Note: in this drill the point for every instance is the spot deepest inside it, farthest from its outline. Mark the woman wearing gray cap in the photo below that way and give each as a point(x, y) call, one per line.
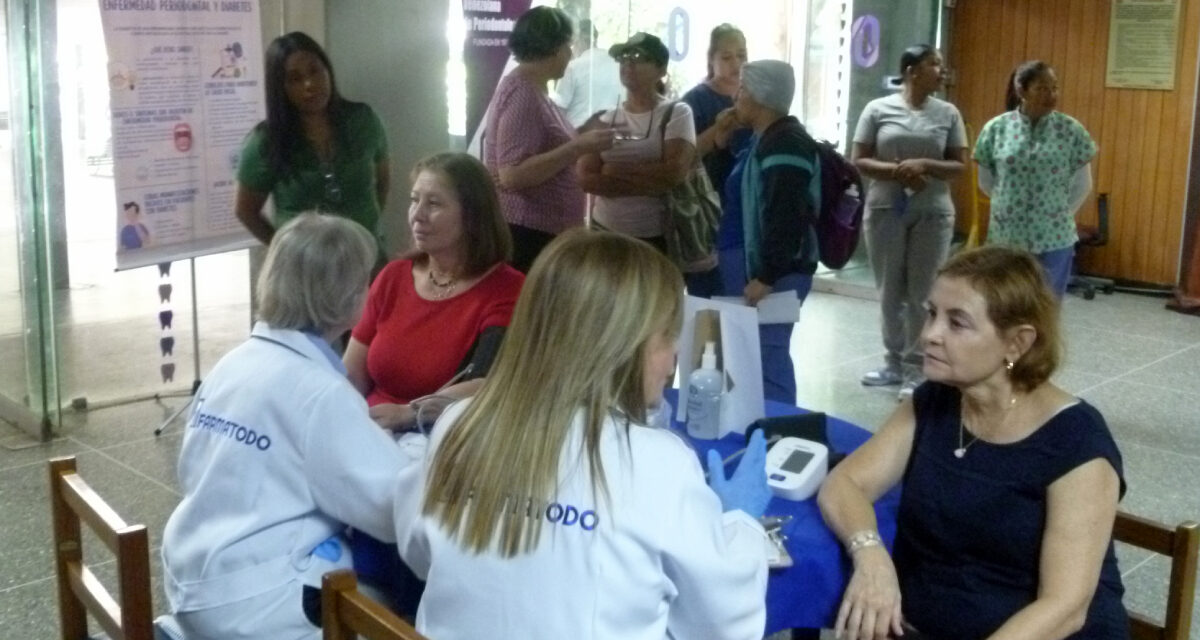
point(653, 152)
point(780, 193)
point(910, 144)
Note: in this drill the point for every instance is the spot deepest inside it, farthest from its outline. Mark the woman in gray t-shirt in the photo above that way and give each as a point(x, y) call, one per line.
point(909, 145)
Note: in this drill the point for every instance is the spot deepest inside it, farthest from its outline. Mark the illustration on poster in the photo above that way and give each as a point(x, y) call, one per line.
point(183, 137)
point(231, 62)
point(134, 235)
point(121, 76)
point(177, 70)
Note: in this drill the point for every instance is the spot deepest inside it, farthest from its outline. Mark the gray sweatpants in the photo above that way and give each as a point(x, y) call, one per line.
point(906, 251)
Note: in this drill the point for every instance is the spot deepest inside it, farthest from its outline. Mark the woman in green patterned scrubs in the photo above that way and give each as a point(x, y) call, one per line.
point(1035, 164)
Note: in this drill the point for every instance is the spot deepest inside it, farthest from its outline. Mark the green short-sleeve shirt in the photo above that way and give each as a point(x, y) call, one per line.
point(346, 187)
point(1033, 167)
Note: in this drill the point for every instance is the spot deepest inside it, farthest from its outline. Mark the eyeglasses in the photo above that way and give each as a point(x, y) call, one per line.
point(633, 56)
point(333, 191)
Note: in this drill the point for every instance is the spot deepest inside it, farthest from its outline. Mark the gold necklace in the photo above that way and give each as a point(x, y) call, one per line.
point(962, 449)
point(442, 290)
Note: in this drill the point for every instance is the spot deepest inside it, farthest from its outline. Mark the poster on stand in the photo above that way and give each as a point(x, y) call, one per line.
point(185, 87)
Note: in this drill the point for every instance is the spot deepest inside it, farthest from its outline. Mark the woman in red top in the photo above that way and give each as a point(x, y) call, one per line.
point(435, 318)
point(432, 324)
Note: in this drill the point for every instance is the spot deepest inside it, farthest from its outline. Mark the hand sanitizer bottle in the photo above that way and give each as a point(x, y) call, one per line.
point(704, 397)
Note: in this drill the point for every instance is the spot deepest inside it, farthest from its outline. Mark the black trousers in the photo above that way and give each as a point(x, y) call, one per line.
point(527, 244)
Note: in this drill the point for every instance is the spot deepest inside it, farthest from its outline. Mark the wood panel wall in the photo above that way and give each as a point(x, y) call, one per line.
point(1144, 137)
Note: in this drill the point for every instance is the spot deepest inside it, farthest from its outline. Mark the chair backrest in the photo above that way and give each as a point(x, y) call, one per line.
point(79, 591)
point(1180, 544)
point(1102, 220)
point(345, 612)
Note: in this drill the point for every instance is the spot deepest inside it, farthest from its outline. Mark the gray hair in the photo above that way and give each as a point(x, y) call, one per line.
point(316, 273)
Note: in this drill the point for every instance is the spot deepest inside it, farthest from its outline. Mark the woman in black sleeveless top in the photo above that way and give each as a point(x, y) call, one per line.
point(1010, 483)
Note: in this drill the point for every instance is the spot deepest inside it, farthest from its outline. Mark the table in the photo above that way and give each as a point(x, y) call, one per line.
point(807, 594)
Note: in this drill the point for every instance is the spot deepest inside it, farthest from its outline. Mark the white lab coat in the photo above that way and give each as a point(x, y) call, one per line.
point(279, 455)
point(659, 560)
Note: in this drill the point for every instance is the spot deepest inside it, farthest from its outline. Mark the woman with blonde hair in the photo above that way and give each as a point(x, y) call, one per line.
point(546, 508)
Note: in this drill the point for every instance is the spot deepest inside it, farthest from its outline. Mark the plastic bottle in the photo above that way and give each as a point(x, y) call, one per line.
point(704, 397)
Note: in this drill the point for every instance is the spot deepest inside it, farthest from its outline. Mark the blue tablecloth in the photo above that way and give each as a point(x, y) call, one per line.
point(807, 594)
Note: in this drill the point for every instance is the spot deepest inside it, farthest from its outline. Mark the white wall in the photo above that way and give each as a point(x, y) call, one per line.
point(392, 55)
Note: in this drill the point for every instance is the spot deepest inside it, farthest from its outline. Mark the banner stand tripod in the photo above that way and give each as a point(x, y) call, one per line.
point(195, 360)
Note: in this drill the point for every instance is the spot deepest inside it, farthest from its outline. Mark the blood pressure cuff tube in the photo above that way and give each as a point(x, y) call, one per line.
point(479, 359)
point(809, 426)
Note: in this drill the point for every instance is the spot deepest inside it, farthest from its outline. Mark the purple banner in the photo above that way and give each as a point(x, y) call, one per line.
point(485, 51)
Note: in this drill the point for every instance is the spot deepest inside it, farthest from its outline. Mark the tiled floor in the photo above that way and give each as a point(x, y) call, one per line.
point(1139, 364)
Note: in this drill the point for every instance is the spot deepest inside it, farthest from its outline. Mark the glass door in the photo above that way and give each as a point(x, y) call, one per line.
point(28, 378)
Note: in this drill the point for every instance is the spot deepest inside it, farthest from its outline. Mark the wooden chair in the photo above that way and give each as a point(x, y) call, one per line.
point(1180, 544)
point(345, 612)
point(79, 591)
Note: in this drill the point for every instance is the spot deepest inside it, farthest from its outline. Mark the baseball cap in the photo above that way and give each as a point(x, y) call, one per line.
point(650, 47)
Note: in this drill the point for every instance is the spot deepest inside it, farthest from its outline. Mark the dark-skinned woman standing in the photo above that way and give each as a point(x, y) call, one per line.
point(316, 151)
point(910, 145)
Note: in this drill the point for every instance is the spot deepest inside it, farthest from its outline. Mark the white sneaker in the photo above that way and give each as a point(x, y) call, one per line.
point(882, 377)
point(912, 379)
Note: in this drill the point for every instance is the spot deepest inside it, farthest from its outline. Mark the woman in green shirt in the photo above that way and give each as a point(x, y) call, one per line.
point(316, 151)
point(1035, 165)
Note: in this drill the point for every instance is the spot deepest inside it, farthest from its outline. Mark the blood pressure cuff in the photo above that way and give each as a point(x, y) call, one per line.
point(809, 426)
point(479, 359)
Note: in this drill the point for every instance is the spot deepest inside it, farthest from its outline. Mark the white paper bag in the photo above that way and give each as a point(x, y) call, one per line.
point(738, 357)
point(775, 308)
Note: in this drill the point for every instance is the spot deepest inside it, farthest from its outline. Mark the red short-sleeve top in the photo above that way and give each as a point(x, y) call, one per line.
point(414, 345)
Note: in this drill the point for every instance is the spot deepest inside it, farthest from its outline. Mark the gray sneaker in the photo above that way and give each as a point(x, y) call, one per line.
point(882, 377)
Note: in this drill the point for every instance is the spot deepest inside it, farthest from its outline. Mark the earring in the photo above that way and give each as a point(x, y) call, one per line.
point(1008, 365)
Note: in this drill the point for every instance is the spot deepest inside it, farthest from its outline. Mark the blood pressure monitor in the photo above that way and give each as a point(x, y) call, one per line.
point(796, 468)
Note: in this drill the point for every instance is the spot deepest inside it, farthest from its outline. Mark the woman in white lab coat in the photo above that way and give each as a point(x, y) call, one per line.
point(280, 453)
point(546, 508)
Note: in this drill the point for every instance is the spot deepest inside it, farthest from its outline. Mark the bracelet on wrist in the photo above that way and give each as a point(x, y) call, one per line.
point(863, 539)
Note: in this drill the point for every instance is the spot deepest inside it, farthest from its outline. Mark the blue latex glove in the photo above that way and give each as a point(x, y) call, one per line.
point(747, 488)
point(329, 550)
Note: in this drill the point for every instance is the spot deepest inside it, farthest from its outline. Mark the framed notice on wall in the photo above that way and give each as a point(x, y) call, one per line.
point(1143, 37)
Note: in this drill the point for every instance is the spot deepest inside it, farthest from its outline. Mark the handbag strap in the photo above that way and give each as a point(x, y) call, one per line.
point(662, 127)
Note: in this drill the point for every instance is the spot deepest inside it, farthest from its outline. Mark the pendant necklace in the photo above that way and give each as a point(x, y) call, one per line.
point(442, 290)
point(962, 448)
